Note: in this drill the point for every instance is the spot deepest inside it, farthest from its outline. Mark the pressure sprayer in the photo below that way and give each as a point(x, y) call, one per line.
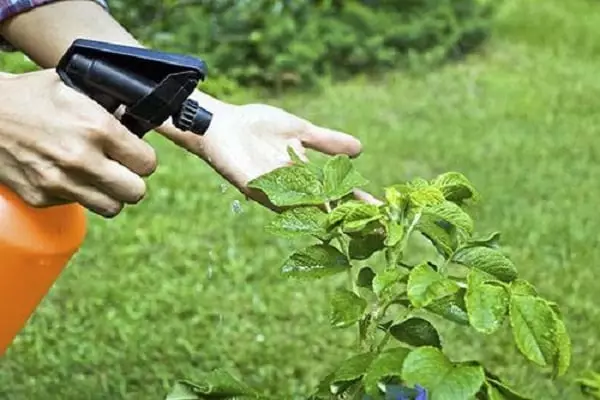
point(147, 87)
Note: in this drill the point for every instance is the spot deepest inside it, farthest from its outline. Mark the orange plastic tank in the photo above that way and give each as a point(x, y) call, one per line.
point(35, 246)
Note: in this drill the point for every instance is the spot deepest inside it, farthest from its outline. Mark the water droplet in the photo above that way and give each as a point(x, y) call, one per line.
point(260, 338)
point(236, 207)
point(209, 272)
point(224, 187)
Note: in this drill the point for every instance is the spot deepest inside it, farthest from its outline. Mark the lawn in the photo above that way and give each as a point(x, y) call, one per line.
point(186, 281)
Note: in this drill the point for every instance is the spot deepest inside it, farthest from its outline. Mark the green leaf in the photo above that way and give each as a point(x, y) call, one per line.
point(563, 347)
point(444, 380)
point(394, 198)
point(534, 328)
point(426, 285)
point(346, 308)
point(354, 215)
point(216, 384)
point(340, 177)
point(487, 302)
point(416, 332)
point(426, 196)
point(290, 186)
point(492, 241)
point(453, 214)
point(487, 260)
point(452, 308)
point(443, 237)
point(365, 278)
point(497, 390)
point(385, 284)
point(311, 167)
point(353, 367)
point(456, 187)
point(361, 248)
point(395, 233)
point(300, 221)
point(315, 262)
point(387, 364)
point(521, 286)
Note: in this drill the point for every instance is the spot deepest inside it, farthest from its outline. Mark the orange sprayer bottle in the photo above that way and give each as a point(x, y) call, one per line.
point(37, 243)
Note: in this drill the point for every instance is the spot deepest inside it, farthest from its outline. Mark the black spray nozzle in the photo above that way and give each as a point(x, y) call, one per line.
point(150, 86)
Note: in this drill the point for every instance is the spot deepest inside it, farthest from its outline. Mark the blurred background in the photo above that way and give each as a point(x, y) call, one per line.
point(506, 92)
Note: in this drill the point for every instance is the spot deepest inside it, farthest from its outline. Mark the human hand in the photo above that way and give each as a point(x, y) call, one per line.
point(58, 146)
point(244, 142)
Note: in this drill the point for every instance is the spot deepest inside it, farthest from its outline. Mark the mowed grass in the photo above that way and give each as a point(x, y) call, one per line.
point(185, 282)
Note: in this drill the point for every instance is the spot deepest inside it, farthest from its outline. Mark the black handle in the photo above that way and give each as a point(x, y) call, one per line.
point(151, 85)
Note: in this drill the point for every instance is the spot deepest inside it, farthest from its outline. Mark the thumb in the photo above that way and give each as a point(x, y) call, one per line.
point(330, 141)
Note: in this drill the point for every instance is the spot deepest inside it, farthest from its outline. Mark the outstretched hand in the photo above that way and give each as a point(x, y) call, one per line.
point(244, 142)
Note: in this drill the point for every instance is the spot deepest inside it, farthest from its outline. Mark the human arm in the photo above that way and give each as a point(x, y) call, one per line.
point(241, 143)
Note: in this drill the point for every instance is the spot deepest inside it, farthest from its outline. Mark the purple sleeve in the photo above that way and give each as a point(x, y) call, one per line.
point(10, 8)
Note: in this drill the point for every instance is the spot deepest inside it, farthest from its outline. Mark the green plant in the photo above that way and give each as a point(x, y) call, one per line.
point(279, 44)
point(394, 289)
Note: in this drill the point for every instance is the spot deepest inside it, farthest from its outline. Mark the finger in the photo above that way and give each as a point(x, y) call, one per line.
point(96, 201)
point(118, 182)
point(330, 141)
point(129, 150)
point(86, 195)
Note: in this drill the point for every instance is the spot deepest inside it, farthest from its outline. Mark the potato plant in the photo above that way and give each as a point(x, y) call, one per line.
point(392, 296)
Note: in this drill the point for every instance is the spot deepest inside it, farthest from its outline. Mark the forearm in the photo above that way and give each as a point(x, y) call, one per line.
point(60, 23)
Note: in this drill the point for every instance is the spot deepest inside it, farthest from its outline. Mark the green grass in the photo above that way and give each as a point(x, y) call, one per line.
point(182, 284)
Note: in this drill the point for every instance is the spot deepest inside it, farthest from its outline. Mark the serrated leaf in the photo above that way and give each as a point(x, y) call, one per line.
point(498, 390)
point(456, 187)
point(453, 214)
point(487, 260)
point(426, 196)
point(563, 347)
point(290, 186)
point(354, 215)
point(487, 303)
point(386, 283)
point(311, 167)
point(363, 247)
point(444, 380)
point(394, 198)
point(534, 328)
point(492, 241)
point(340, 177)
point(521, 286)
point(452, 308)
point(353, 367)
point(346, 308)
point(387, 364)
point(315, 262)
point(426, 285)
point(416, 332)
point(297, 222)
point(395, 233)
point(443, 237)
point(216, 384)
